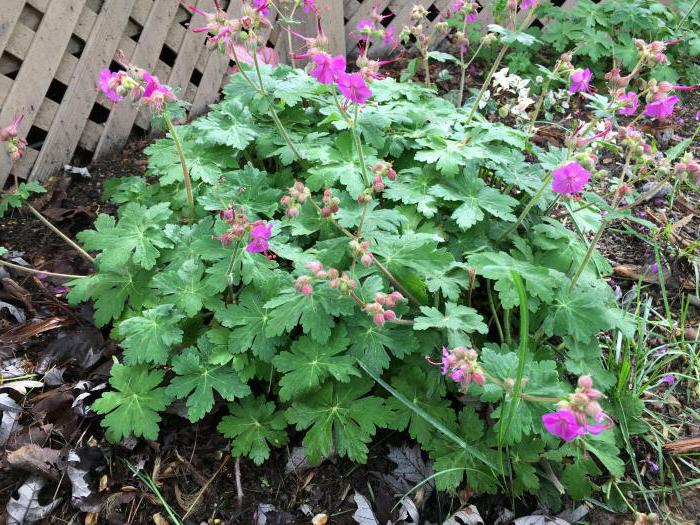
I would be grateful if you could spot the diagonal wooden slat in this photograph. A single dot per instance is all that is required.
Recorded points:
(9, 15)
(121, 120)
(69, 121)
(37, 72)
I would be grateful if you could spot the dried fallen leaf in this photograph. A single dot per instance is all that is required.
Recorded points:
(10, 414)
(468, 516)
(21, 386)
(364, 514)
(158, 519)
(36, 460)
(25, 508)
(410, 470)
(540, 520)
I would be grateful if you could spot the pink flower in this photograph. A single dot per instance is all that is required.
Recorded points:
(528, 4)
(631, 102)
(669, 379)
(365, 24)
(259, 235)
(563, 424)
(309, 5)
(261, 7)
(580, 80)
(108, 82)
(327, 69)
(354, 88)
(156, 94)
(10, 131)
(661, 108)
(697, 116)
(570, 178)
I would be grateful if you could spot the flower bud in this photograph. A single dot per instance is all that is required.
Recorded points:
(378, 319)
(389, 315)
(333, 273)
(585, 382)
(366, 259)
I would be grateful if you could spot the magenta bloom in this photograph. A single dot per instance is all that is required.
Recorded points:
(327, 69)
(365, 24)
(661, 108)
(631, 103)
(570, 178)
(669, 379)
(563, 424)
(697, 116)
(108, 82)
(580, 80)
(528, 4)
(354, 88)
(259, 235)
(261, 7)
(309, 5)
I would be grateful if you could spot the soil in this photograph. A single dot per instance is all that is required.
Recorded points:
(190, 464)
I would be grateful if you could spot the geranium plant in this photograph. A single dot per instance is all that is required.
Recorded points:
(310, 248)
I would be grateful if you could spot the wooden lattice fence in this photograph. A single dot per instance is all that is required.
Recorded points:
(51, 52)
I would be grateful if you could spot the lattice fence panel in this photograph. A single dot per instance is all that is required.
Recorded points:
(51, 52)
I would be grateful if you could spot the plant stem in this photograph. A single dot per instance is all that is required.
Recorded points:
(358, 144)
(273, 112)
(540, 102)
(487, 81)
(396, 283)
(685, 17)
(85, 255)
(183, 163)
(426, 69)
(494, 312)
(464, 66)
(529, 206)
(32, 270)
(589, 254)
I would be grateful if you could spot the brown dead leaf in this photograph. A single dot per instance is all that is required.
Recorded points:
(91, 518)
(36, 459)
(683, 446)
(24, 332)
(158, 519)
(19, 293)
(21, 386)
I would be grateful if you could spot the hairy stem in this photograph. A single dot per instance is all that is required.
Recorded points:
(39, 272)
(358, 145)
(183, 163)
(85, 255)
(464, 68)
(486, 83)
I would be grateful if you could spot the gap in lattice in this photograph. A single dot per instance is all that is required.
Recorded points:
(9, 65)
(95, 5)
(76, 46)
(195, 77)
(99, 114)
(36, 137)
(134, 29)
(168, 56)
(57, 90)
(30, 16)
(388, 15)
(433, 12)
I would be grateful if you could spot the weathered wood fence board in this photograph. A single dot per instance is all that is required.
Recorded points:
(51, 52)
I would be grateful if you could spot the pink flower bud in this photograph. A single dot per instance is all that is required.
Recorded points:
(396, 297)
(389, 315)
(391, 174)
(380, 298)
(307, 290)
(314, 266)
(326, 212)
(334, 283)
(333, 273)
(585, 382)
(292, 212)
(366, 259)
(284, 201)
(378, 319)
(478, 378)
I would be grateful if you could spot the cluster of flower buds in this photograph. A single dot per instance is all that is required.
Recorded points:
(464, 8)
(361, 249)
(616, 80)
(136, 82)
(297, 195)
(587, 159)
(688, 167)
(372, 30)
(331, 204)
(577, 141)
(633, 139)
(461, 365)
(340, 281)
(238, 222)
(380, 309)
(223, 32)
(382, 169)
(15, 145)
(654, 53)
(571, 420)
